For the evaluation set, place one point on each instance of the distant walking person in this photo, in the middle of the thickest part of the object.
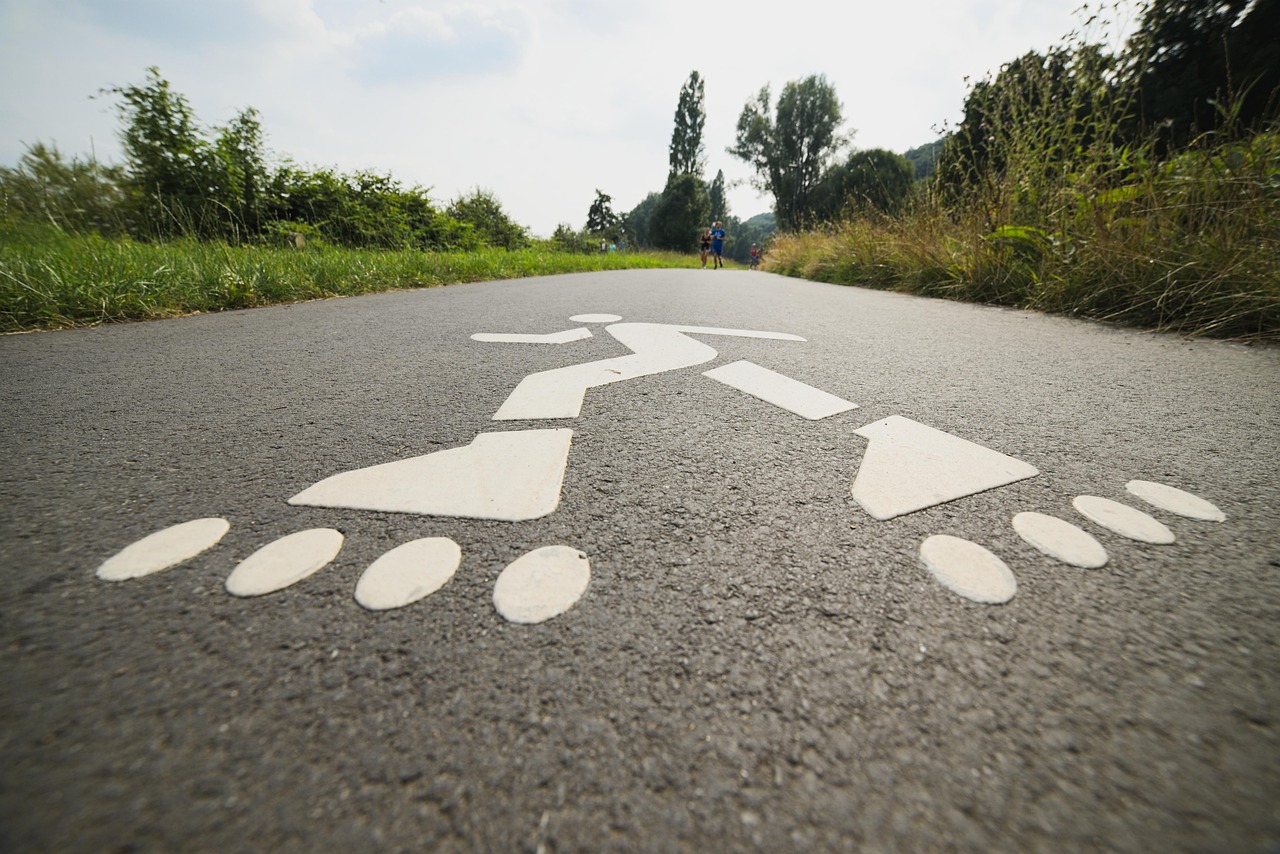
(717, 244)
(706, 246)
(755, 255)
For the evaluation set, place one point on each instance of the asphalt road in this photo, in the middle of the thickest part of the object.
(757, 664)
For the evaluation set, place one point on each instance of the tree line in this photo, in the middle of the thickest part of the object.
(182, 180)
(1193, 68)
(792, 148)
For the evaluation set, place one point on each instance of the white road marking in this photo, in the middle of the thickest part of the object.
(656, 348)
(286, 561)
(408, 573)
(1175, 501)
(595, 318)
(1060, 539)
(542, 584)
(524, 338)
(164, 549)
(968, 569)
(512, 476)
(1123, 519)
(782, 391)
(909, 466)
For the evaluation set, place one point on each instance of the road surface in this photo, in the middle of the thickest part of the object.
(756, 661)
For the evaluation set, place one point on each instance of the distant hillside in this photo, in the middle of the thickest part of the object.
(925, 158)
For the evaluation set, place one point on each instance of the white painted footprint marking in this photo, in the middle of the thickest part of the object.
(1060, 539)
(408, 573)
(284, 562)
(542, 584)
(163, 549)
(1123, 519)
(1175, 500)
(968, 569)
(517, 475)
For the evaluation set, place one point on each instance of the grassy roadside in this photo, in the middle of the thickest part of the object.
(50, 279)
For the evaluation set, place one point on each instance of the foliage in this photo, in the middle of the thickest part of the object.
(50, 278)
(686, 153)
(365, 209)
(925, 158)
(180, 180)
(566, 239)
(719, 198)
(635, 222)
(1189, 58)
(874, 179)
(76, 195)
(683, 210)
(1056, 192)
(601, 220)
(170, 164)
(789, 149)
(483, 212)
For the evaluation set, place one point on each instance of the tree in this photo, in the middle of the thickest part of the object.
(1190, 58)
(719, 201)
(79, 196)
(601, 220)
(682, 210)
(170, 164)
(925, 158)
(790, 149)
(875, 178)
(241, 163)
(636, 221)
(484, 212)
(686, 152)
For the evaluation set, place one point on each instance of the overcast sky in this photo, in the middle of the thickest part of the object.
(539, 101)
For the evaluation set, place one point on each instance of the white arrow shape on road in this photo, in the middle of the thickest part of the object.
(909, 466)
(512, 476)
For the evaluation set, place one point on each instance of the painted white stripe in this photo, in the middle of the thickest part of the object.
(526, 338)
(656, 348)
(1123, 519)
(542, 584)
(968, 569)
(782, 391)
(286, 561)
(164, 549)
(408, 573)
(595, 318)
(909, 466)
(1175, 501)
(513, 476)
(1060, 540)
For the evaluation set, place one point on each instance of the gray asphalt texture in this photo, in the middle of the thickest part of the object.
(757, 664)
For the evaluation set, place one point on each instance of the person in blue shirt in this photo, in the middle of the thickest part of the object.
(717, 244)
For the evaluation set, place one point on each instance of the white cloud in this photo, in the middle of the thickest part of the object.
(542, 102)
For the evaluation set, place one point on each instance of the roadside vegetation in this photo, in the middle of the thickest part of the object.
(51, 279)
(1141, 188)
(199, 220)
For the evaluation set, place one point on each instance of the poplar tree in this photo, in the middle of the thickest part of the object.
(686, 152)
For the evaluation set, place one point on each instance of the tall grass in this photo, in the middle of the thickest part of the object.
(51, 279)
(1062, 215)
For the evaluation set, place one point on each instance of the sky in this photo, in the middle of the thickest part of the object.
(541, 102)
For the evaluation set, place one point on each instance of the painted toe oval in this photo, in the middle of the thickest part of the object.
(408, 573)
(968, 569)
(284, 562)
(164, 549)
(542, 584)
